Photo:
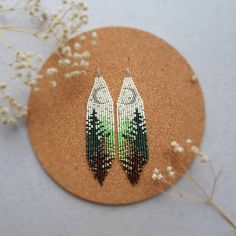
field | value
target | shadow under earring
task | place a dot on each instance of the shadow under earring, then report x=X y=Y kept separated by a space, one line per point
x=132 y=132
x=100 y=140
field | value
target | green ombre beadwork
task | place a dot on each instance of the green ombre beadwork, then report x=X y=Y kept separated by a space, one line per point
x=132 y=132
x=100 y=141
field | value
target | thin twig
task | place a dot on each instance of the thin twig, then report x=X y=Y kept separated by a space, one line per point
x=16 y=29
x=210 y=201
x=16 y=4
x=215 y=183
x=223 y=214
x=207 y=198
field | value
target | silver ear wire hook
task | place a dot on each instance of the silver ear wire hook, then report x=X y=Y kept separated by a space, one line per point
x=98 y=68
x=127 y=72
x=98 y=72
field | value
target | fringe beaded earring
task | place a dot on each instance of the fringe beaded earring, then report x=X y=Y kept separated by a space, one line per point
x=132 y=133
x=100 y=140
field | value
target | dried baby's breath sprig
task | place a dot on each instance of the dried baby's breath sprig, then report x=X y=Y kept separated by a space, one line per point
x=170 y=171
x=73 y=57
x=177 y=148
x=207 y=196
x=25 y=67
x=56 y=27
x=157 y=175
x=63 y=24
x=197 y=151
x=72 y=74
x=10 y=110
x=33 y=8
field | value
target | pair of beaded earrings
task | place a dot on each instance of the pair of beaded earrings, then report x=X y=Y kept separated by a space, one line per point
x=100 y=130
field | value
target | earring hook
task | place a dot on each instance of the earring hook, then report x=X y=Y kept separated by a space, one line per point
x=127 y=71
x=98 y=68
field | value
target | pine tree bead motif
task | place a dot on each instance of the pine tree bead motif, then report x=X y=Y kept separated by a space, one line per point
x=132 y=132
x=100 y=141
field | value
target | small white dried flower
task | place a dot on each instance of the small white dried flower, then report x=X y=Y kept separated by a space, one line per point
x=154 y=176
x=64 y=61
x=72 y=74
x=45 y=37
x=77 y=56
x=12 y=121
x=177 y=147
x=3 y=85
x=52 y=71
x=66 y=51
x=160 y=176
x=21 y=56
x=171 y=173
x=4 y=121
x=85 y=54
x=82 y=37
x=4 y=110
x=77 y=46
x=157 y=175
x=94 y=35
x=204 y=158
x=22 y=65
x=84 y=63
x=53 y=84
x=180 y=149
x=194 y=78
x=156 y=171
x=188 y=141
x=173 y=144
x=195 y=150
x=38 y=58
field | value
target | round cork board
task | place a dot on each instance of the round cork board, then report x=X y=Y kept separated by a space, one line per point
x=174 y=109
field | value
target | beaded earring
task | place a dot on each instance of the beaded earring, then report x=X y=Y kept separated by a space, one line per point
x=100 y=140
x=132 y=132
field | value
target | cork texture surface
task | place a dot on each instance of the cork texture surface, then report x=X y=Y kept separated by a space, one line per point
x=174 y=109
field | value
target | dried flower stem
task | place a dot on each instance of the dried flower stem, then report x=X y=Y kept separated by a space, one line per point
x=180 y=193
x=207 y=197
x=16 y=29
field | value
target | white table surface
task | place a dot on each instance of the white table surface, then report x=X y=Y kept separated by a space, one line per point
x=205 y=33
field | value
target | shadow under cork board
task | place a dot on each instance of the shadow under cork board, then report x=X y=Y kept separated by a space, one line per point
x=173 y=103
